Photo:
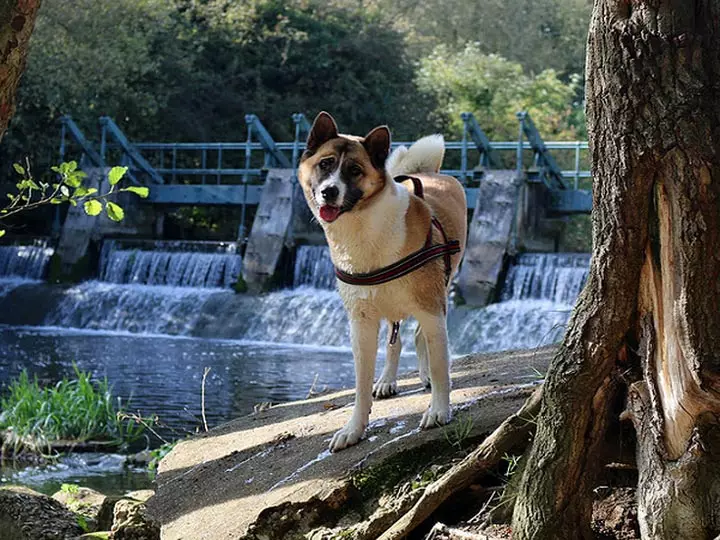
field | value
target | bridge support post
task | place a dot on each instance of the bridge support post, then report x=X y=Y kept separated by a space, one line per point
x=490 y=237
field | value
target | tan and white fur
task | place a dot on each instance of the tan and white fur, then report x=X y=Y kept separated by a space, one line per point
x=371 y=221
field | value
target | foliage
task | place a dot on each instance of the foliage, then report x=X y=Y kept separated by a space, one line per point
x=78 y=410
x=158 y=454
x=495 y=89
x=69 y=188
x=185 y=70
x=539 y=34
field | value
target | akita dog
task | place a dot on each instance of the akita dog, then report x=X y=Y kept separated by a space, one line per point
x=389 y=243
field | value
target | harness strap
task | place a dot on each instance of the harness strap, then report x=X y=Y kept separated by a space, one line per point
x=401 y=268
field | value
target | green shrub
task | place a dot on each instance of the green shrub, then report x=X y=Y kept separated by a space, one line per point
x=77 y=410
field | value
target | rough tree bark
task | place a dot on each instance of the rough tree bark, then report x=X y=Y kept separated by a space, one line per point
x=653 y=110
x=17 y=20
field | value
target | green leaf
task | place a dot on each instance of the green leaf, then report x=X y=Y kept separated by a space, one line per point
x=2 y=232
x=72 y=180
x=92 y=208
x=55 y=169
x=71 y=166
x=56 y=201
x=19 y=168
x=73 y=202
x=116 y=174
x=65 y=191
x=83 y=191
x=11 y=196
x=141 y=192
x=114 y=212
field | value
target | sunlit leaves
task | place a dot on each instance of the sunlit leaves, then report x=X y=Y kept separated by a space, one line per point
x=114 y=212
x=69 y=189
x=116 y=174
x=140 y=191
x=93 y=207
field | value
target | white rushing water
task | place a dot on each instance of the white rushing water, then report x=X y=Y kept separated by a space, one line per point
x=539 y=294
x=27 y=261
x=170 y=264
x=313 y=268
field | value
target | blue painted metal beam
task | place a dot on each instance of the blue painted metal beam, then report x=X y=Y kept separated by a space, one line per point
x=570 y=201
x=280 y=159
x=546 y=160
x=200 y=195
x=130 y=151
x=489 y=157
x=74 y=131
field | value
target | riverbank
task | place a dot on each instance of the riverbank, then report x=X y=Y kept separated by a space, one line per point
x=269 y=475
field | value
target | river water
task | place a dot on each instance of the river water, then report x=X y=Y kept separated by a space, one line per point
x=158 y=315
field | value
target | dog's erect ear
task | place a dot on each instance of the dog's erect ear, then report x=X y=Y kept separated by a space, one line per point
x=323 y=129
x=377 y=145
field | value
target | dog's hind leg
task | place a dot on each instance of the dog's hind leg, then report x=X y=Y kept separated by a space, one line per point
x=422 y=356
x=386 y=385
x=364 y=336
x=434 y=327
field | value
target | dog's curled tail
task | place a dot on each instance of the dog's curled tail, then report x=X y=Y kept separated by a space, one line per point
x=424 y=156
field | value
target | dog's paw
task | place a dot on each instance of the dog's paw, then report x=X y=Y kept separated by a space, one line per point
x=384 y=388
x=436 y=416
x=349 y=435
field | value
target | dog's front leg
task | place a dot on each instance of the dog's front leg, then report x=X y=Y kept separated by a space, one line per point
x=364 y=334
x=434 y=327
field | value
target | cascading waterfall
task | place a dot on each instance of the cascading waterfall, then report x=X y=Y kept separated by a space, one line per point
x=313 y=268
x=27 y=261
x=538 y=296
x=168 y=265
x=22 y=264
x=181 y=293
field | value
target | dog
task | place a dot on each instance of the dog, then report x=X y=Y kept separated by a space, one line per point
x=371 y=222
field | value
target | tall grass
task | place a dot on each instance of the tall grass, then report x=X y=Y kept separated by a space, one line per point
x=77 y=410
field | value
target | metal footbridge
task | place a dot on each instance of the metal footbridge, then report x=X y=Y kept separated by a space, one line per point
x=234 y=173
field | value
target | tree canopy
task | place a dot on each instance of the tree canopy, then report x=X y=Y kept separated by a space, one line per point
x=190 y=70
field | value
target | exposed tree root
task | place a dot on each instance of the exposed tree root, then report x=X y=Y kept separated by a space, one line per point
x=443 y=532
x=512 y=435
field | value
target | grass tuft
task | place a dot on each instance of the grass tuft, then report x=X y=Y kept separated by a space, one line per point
x=74 y=410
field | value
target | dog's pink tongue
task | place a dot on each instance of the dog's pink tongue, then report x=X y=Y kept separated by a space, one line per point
x=329 y=213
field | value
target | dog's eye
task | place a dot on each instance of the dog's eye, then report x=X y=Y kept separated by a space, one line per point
x=327 y=163
x=355 y=170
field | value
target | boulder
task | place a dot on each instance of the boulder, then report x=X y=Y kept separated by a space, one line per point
x=28 y=515
x=131 y=522
x=269 y=476
x=96 y=508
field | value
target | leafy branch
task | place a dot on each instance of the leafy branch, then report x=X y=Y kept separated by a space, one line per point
x=69 y=188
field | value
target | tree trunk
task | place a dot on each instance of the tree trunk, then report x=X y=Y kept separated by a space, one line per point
x=17 y=20
x=653 y=108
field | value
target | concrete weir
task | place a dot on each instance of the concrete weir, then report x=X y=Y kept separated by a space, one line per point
x=489 y=237
x=270 y=229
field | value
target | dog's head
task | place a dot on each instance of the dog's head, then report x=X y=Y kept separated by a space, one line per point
x=341 y=173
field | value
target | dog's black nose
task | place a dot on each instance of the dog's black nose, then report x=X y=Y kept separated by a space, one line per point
x=330 y=193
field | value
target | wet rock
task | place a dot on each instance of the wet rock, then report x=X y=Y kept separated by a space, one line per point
x=141 y=495
x=270 y=475
x=96 y=508
x=131 y=522
x=28 y=515
x=141 y=459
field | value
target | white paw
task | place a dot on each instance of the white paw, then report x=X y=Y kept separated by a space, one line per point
x=436 y=416
x=384 y=388
x=349 y=435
